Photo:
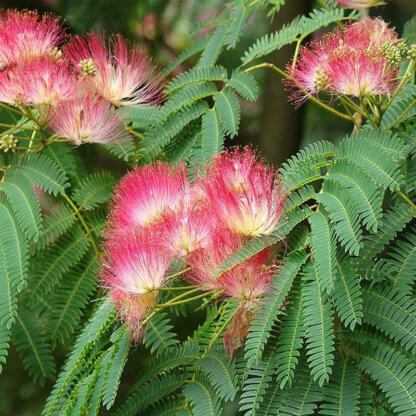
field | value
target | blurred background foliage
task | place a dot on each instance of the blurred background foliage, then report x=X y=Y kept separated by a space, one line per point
x=164 y=28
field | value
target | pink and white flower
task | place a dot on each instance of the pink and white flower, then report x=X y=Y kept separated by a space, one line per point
x=359 y=74
x=25 y=35
x=8 y=86
x=246 y=282
x=134 y=269
x=45 y=81
x=87 y=119
x=120 y=74
x=244 y=193
x=146 y=193
x=186 y=229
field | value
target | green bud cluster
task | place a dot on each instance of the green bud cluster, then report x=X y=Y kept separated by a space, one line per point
x=321 y=80
x=8 y=143
x=88 y=67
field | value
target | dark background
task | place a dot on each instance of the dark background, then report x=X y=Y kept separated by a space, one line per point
x=162 y=27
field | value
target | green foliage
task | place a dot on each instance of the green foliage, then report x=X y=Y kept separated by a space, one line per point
x=318 y=317
x=31 y=343
x=94 y=190
x=395 y=374
x=341 y=396
x=335 y=333
x=13 y=264
x=202 y=397
x=70 y=298
x=40 y=171
x=22 y=198
x=269 y=310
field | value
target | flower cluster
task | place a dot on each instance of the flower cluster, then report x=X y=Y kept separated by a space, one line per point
x=159 y=219
x=361 y=60
x=76 y=85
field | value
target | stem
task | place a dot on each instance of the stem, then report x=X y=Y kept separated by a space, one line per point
x=84 y=224
x=10 y=109
x=181 y=302
x=310 y=98
x=226 y=323
x=172 y=276
x=406 y=198
x=400 y=86
x=295 y=57
x=401 y=115
x=134 y=133
x=174 y=288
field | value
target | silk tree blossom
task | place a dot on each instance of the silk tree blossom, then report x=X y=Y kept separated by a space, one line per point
x=309 y=76
x=8 y=86
x=244 y=193
x=186 y=229
x=146 y=193
x=353 y=61
x=359 y=74
x=25 y=35
x=120 y=74
x=46 y=81
x=246 y=282
x=134 y=268
x=87 y=119
x=370 y=34
x=358 y=4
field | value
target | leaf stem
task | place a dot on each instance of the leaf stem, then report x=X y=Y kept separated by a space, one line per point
x=221 y=330
x=84 y=224
x=406 y=198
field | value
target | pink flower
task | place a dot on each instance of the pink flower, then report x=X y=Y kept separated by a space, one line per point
x=246 y=282
x=146 y=193
x=26 y=35
x=358 y=4
x=134 y=268
x=309 y=77
x=46 y=81
x=244 y=193
x=186 y=229
x=347 y=62
x=120 y=75
x=87 y=119
x=8 y=86
x=359 y=74
x=237 y=332
x=370 y=34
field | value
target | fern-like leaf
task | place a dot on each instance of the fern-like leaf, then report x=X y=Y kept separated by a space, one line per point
x=323 y=249
x=395 y=374
x=41 y=171
x=30 y=342
x=13 y=264
x=244 y=84
x=318 y=317
x=70 y=298
x=23 y=200
x=393 y=314
x=94 y=190
x=228 y=108
x=270 y=308
x=202 y=397
x=158 y=335
x=212 y=134
x=347 y=293
x=198 y=74
x=220 y=371
x=341 y=395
